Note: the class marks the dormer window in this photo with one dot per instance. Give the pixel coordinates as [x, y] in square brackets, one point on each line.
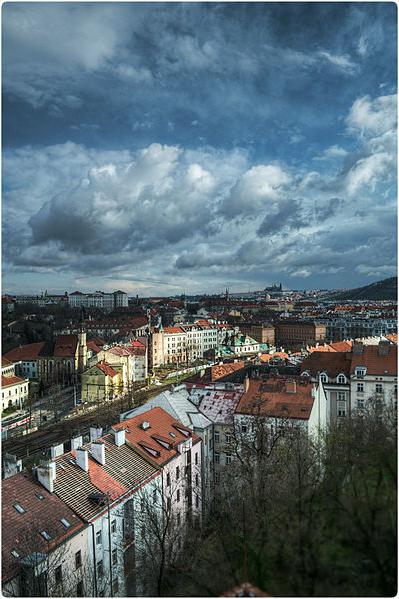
[324, 377]
[182, 431]
[360, 372]
[153, 452]
[341, 379]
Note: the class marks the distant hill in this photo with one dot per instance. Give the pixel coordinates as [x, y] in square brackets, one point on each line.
[381, 290]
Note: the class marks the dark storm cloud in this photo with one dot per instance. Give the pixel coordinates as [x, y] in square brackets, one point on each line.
[199, 142]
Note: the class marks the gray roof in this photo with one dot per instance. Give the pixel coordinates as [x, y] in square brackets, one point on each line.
[177, 404]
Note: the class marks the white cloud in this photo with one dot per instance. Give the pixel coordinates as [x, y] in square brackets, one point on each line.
[341, 61]
[373, 117]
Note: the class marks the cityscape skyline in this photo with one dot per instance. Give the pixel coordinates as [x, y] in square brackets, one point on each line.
[162, 148]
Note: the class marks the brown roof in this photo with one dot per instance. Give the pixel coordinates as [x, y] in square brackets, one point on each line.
[106, 369]
[21, 532]
[162, 425]
[272, 399]
[124, 471]
[221, 370]
[375, 362]
[25, 352]
[65, 346]
[245, 590]
[331, 363]
[7, 381]
[5, 362]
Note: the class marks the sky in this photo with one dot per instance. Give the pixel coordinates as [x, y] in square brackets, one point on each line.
[162, 148]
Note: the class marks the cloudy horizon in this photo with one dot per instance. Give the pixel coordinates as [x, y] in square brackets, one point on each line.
[169, 148]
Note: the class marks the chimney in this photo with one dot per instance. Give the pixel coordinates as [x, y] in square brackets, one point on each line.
[82, 459]
[46, 474]
[95, 433]
[57, 450]
[357, 348]
[76, 442]
[98, 452]
[119, 437]
[290, 387]
[246, 383]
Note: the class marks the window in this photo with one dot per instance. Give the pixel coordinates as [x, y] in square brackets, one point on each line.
[177, 472]
[168, 480]
[178, 495]
[196, 501]
[228, 438]
[19, 508]
[178, 518]
[154, 496]
[360, 387]
[98, 537]
[197, 480]
[100, 568]
[65, 522]
[244, 428]
[360, 404]
[58, 575]
[360, 372]
[217, 458]
[45, 535]
[39, 496]
[113, 526]
[196, 458]
[341, 396]
[168, 503]
[217, 437]
[228, 459]
[114, 557]
[78, 559]
[379, 388]
[324, 377]
[341, 408]
[341, 379]
[80, 589]
[15, 553]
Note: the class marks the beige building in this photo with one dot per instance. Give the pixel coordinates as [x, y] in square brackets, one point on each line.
[102, 382]
[14, 390]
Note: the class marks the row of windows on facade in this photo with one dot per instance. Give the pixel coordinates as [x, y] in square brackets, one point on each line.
[16, 391]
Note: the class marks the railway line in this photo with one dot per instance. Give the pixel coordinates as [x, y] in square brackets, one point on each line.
[38, 443]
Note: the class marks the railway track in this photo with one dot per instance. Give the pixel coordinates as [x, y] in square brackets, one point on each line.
[104, 415]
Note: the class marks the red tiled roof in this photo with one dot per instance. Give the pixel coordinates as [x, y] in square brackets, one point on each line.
[331, 363]
[104, 481]
[171, 330]
[221, 370]
[272, 399]
[136, 343]
[161, 425]
[65, 346]
[7, 381]
[342, 346]
[98, 341]
[21, 532]
[106, 369]
[119, 350]
[5, 362]
[277, 354]
[91, 345]
[392, 337]
[25, 352]
[376, 363]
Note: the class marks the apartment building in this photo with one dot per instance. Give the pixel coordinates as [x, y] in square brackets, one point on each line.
[373, 373]
[278, 404]
[174, 449]
[354, 327]
[293, 334]
[104, 483]
[181, 404]
[45, 544]
[98, 299]
[262, 333]
[332, 370]
[14, 389]
[183, 343]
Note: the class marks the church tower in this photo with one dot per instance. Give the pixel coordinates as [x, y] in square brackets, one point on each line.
[82, 344]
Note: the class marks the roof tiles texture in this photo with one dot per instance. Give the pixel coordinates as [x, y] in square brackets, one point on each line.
[332, 364]
[25, 352]
[375, 362]
[21, 532]
[273, 400]
[161, 424]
